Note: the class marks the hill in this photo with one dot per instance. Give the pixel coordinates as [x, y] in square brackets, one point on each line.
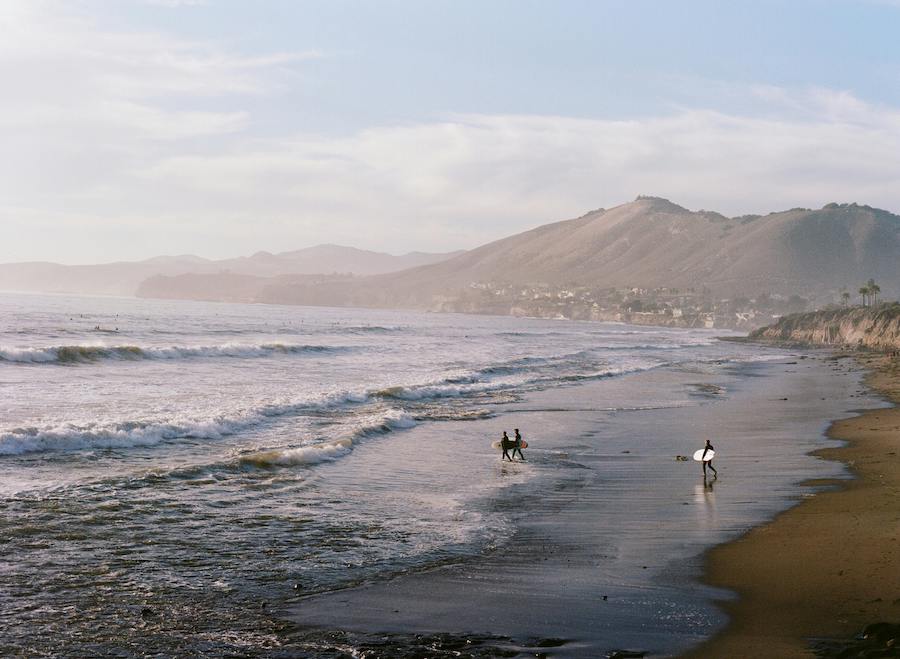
[640, 261]
[229, 286]
[653, 243]
[124, 278]
[328, 259]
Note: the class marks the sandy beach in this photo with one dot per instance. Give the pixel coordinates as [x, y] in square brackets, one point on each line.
[609, 557]
[829, 567]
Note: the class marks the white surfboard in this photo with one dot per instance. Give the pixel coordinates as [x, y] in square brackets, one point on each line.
[698, 455]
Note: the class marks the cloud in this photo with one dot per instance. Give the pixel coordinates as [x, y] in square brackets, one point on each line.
[476, 177]
[154, 139]
[86, 104]
[469, 179]
[51, 59]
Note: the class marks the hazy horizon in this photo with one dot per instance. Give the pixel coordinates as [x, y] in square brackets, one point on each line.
[287, 249]
[227, 257]
[217, 128]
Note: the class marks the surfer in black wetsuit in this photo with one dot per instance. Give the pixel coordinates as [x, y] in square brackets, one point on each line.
[506, 443]
[708, 447]
[517, 446]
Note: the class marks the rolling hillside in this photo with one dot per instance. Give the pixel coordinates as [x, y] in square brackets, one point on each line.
[652, 242]
[647, 243]
[124, 278]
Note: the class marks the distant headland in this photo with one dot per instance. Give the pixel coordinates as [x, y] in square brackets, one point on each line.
[649, 261]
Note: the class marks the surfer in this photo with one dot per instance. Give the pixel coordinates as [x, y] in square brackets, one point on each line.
[517, 446]
[708, 447]
[506, 443]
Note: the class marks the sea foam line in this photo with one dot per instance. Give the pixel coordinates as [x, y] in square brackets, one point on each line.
[460, 386]
[129, 434]
[126, 434]
[75, 354]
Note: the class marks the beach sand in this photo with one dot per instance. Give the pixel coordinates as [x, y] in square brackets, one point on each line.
[607, 550]
[830, 566]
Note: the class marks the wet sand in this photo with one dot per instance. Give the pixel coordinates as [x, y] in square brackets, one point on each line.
[831, 566]
[608, 556]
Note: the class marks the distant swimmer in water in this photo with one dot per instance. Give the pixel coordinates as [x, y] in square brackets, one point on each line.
[506, 443]
[517, 446]
[708, 447]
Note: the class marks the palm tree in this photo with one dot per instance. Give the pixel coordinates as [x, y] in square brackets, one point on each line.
[874, 290]
[864, 292]
[845, 298]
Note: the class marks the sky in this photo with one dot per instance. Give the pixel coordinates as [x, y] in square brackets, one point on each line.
[134, 128]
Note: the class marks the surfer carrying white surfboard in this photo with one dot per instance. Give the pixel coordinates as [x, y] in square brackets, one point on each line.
[708, 449]
[517, 446]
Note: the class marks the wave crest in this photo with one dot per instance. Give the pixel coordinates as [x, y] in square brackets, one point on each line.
[330, 450]
[83, 354]
[131, 434]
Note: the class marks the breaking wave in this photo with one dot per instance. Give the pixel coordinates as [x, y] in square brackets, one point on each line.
[521, 374]
[439, 413]
[81, 354]
[451, 388]
[130, 434]
[363, 329]
[524, 373]
[330, 450]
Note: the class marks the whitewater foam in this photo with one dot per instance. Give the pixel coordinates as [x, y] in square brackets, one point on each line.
[303, 455]
[525, 372]
[131, 434]
[75, 354]
[327, 451]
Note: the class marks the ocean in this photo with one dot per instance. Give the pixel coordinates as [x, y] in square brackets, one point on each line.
[176, 477]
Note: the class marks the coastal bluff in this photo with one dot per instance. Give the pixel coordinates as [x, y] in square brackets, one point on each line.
[872, 328]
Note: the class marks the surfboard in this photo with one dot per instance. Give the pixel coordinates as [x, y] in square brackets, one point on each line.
[698, 455]
[497, 445]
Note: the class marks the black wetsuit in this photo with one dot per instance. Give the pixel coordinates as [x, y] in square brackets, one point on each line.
[517, 446]
[506, 444]
[708, 447]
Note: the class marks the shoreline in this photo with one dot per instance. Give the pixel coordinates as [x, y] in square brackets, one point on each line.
[611, 535]
[821, 571]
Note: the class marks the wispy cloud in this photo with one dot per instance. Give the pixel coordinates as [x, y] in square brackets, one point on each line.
[473, 178]
[156, 137]
[51, 58]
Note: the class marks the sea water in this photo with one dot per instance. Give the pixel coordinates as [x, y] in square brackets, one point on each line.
[174, 474]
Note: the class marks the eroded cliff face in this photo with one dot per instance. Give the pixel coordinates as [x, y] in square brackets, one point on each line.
[874, 328]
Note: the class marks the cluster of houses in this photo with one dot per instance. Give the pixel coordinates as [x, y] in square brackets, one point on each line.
[672, 307]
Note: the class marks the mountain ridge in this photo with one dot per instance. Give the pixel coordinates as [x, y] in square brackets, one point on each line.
[650, 243]
[635, 257]
[125, 277]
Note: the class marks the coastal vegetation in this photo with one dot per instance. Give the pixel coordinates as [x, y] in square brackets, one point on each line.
[872, 327]
[869, 292]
